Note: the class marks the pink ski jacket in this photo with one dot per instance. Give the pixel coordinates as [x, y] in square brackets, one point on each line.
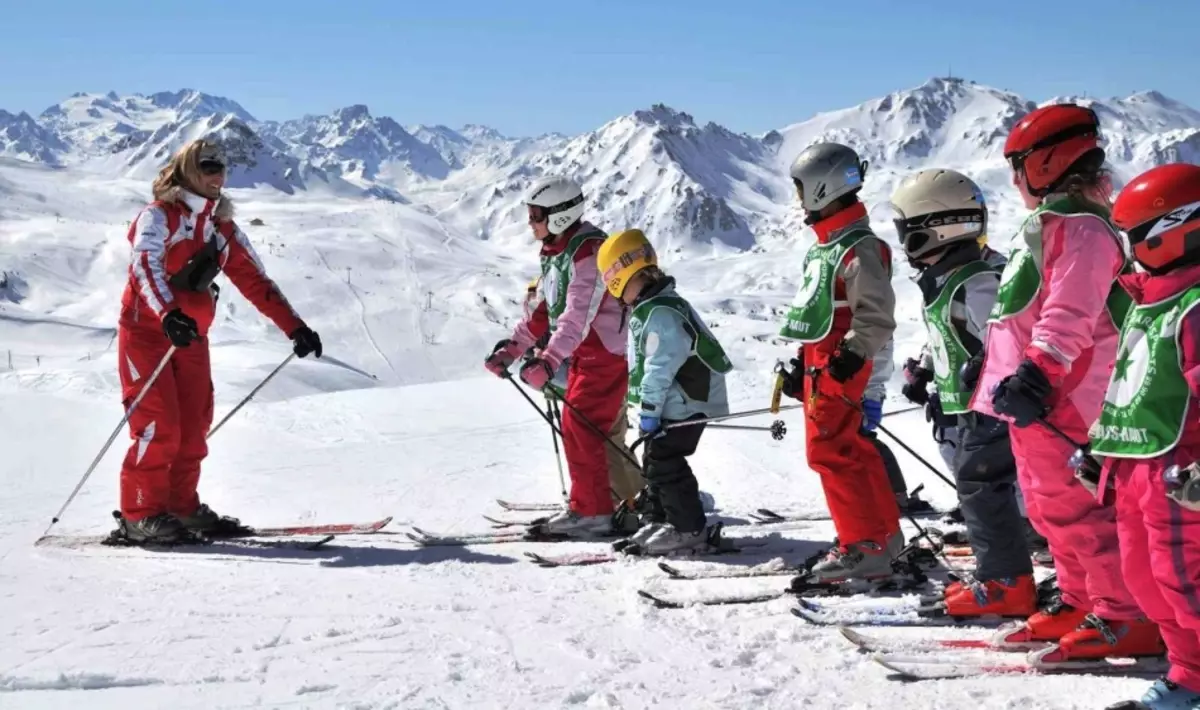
[1072, 258]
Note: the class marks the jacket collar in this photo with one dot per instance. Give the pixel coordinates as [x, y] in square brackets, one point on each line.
[834, 226]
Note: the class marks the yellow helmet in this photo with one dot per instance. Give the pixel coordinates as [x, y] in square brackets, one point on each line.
[621, 256]
[533, 284]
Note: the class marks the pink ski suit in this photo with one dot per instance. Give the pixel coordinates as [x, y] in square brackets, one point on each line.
[1160, 539]
[584, 324]
[1067, 269]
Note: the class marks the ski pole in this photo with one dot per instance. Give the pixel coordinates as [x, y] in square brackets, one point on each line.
[552, 411]
[777, 430]
[574, 410]
[917, 456]
[162, 364]
[727, 417]
[248, 397]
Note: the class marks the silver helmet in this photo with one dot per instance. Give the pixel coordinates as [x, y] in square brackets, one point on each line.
[936, 208]
[826, 171]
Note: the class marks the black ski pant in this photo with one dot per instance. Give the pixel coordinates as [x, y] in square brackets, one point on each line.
[672, 486]
[986, 476]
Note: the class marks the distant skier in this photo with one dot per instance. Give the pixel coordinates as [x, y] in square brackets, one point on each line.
[1050, 345]
[584, 324]
[940, 217]
[180, 243]
[843, 315]
[624, 477]
[1149, 421]
[676, 373]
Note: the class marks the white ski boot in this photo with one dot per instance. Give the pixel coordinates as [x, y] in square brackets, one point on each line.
[571, 524]
[666, 540]
[856, 562]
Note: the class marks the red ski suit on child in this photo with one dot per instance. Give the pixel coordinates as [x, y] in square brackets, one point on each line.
[161, 470]
[857, 490]
[1160, 539]
[1064, 329]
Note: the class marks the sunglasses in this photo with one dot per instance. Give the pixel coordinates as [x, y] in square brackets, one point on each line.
[211, 167]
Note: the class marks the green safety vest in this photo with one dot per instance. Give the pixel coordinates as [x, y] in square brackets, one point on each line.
[1147, 398]
[556, 274]
[945, 346]
[705, 347]
[811, 316]
[1022, 278]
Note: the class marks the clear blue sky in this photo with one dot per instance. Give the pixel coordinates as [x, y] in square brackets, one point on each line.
[528, 67]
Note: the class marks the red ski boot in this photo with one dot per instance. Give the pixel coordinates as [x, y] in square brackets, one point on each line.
[1013, 596]
[1046, 626]
[1096, 638]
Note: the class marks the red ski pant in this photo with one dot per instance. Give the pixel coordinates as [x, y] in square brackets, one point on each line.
[1160, 558]
[856, 485]
[1081, 532]
[596, 390]
[162, 467]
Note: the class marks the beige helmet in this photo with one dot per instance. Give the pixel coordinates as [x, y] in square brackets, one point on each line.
[936, 208]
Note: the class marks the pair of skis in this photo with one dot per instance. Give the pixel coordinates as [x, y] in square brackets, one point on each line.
[956, 656]
[294, 537]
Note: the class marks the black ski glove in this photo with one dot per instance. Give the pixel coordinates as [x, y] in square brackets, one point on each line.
[180, 328]
[306, 341]
[940, 420]
[845, 363]
[1023, 394]
[917, 379]
[793, 379]
[969, 373]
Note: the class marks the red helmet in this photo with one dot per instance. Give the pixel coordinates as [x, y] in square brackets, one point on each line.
[1048, 141]
[1160, 212]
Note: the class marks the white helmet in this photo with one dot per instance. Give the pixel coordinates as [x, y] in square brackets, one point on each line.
[936, 208]
[560, 199]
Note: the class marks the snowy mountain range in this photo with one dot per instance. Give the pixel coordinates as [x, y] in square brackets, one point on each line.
[409, 244]
[689, 184]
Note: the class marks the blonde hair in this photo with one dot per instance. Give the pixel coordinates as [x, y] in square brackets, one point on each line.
[181, 171]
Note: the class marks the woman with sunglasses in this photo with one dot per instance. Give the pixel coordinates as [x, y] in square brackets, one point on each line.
[1049, 351]
[586, 325]
[180, 243]
[1148, 433]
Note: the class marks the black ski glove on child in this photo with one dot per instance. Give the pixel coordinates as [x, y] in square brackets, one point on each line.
[1023, 394]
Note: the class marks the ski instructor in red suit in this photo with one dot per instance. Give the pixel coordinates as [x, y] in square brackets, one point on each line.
[180, 243]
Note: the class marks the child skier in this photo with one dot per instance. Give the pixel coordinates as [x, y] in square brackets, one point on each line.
[1049, 352]
[1148, 431]
[843, 315]
[940, 216]
[676, 374]
[580, 322]
[624, 477]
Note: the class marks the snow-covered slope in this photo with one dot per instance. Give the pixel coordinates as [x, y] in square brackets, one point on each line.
[410, 275]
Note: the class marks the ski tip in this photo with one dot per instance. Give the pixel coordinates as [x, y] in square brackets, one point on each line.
[852, 636]
[539, 560]
[672, 571]
[883, 660]
[658, 602]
